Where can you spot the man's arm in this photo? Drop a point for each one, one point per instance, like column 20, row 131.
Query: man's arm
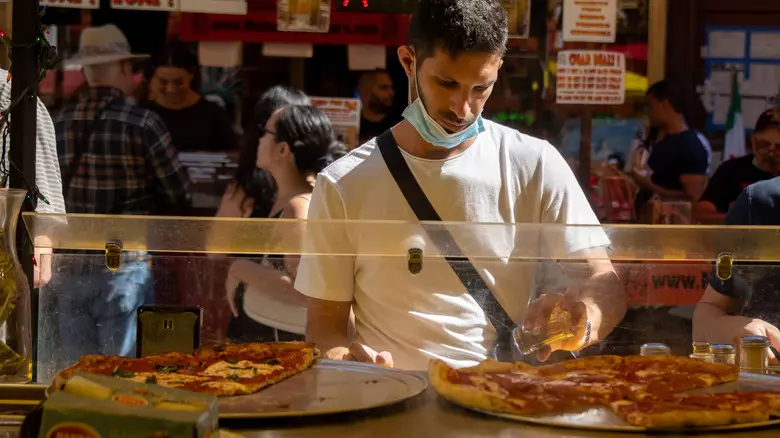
column 172, row 180
column 48, row 177
column 327, row 280
column 596, row 295
column 707, row 209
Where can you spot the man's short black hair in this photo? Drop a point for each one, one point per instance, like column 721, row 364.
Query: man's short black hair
column 665, row 90
column 457, row 26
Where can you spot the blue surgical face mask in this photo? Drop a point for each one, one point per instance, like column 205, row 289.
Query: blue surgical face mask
column 431, row 131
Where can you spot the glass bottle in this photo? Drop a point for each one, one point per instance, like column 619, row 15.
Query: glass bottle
column 754, row 354
column 655, row 349
column 15, row 316
column 723, row 353
column 701, row 351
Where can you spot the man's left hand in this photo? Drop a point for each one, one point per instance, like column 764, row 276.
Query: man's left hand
column 545, row 308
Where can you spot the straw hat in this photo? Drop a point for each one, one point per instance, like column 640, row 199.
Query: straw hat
column 101, row 45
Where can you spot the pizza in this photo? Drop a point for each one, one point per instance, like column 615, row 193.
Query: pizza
column 222, row 371
column 647, row 392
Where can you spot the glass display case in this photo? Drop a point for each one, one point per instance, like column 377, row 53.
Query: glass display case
column 98, row 271
column 88, row 308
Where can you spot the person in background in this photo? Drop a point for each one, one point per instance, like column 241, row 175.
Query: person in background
column 678, row 160
column 47, row 175
column 297, row 143
column 253, row 192
column 115, row 158
column 196, row 124
column 376, row 92
column 733, row 176
column 748, row 303
column 472, row 170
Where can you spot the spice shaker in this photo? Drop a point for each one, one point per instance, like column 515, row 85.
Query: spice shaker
column 701, row 351
column 754, row 354
column 723, row 353
column 655, row 349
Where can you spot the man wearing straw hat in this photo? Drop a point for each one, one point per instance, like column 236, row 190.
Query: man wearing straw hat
column 115, row 158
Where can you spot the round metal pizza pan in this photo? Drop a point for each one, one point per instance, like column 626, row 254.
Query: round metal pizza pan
column 604, row 420
column 329, row 387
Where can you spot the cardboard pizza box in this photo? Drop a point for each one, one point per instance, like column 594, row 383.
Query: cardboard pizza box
column 91, row 406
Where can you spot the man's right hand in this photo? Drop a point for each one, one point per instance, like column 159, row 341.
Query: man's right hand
column 360, row 353
column 757, row 327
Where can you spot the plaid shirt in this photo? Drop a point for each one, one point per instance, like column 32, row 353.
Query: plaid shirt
column 128, row 165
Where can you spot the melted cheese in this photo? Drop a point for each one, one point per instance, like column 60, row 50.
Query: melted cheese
column 172, row 380
column 243, row 369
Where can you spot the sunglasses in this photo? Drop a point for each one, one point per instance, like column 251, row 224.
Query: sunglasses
column 262, row 130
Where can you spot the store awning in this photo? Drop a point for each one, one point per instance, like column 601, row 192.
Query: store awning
column 635, row 83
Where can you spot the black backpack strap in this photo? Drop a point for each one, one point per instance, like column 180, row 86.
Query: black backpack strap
column 444, row 241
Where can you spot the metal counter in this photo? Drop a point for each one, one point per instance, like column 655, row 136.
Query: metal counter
column 428, row 416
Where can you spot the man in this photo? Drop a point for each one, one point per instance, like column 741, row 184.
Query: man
column 375, row 89
column 472, row 170
column 733, row 176
column 748, row 303
column 678, row 161
column 115, row 158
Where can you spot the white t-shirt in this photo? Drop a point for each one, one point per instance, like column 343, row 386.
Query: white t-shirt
column 504, row 177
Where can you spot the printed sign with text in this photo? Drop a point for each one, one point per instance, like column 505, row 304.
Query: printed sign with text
column 589, row 77
column 76, row 4
column 146, row 5
column 344, row 114
column 593, row 21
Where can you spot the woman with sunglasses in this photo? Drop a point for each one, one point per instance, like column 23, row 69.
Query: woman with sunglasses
column 297, row 143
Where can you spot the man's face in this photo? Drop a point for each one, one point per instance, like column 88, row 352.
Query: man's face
column 382, row 93
column 453, row 90
column 766, row 148
column 656, row 111
column 171, row 83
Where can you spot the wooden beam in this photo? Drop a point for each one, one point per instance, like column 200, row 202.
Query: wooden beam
column 656, row 51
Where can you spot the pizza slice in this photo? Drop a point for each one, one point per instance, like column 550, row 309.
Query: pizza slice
column 514, row 389
column 678, row 411
column 647, row 375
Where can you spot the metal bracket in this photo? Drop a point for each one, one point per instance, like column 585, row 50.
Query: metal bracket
column 724, row 266
column 113, row 255
column 414, row 260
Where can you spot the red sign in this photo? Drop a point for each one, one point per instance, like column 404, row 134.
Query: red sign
column 260, row 27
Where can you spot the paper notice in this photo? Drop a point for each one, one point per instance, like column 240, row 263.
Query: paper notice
column 366, row 57
column 765, row 45
column 344, row 114
column 76, row 4
column 590, row 20
column 230, row 7
column 591, row 77
column 727, row 44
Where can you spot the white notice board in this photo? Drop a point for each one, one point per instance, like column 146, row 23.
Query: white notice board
column 591, row 77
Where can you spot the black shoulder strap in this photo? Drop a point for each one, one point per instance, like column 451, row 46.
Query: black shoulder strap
column 443, row 240
column 82, row 144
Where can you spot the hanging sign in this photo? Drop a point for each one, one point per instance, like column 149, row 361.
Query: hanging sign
column 593, row 21
column 344, row 114
column 232, row 7
column 591, row 77
column 146, row 5
column 260, row 27
column 303, row 15
column 76, row 4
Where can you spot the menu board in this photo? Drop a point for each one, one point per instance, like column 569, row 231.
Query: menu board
column 77, row 4
column 344, row 114
column 589, row 77
column 146, row 5
column 592, row 21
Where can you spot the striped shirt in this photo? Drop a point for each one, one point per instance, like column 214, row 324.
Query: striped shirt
column 128, row 164
column 47, row 168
